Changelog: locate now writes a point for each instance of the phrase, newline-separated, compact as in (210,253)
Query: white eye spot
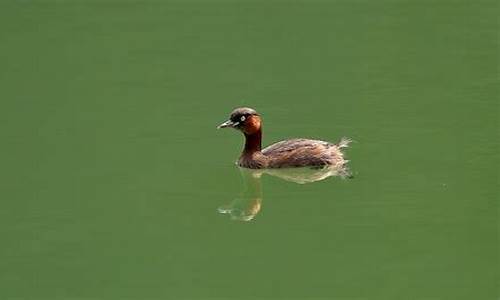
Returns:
(242,118)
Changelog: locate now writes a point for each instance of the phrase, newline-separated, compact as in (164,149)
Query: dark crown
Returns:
(242,111)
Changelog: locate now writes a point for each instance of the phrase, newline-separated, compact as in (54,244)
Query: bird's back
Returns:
(303,152)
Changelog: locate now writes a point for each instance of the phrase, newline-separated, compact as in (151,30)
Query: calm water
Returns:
(113,176)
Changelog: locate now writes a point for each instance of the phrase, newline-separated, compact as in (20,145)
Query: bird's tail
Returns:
(344,142)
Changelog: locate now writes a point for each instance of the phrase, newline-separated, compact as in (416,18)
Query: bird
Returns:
(291,153)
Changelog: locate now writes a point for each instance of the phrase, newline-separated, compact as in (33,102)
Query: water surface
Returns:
(112,171)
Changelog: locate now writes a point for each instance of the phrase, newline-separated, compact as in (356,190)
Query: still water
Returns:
(115,184)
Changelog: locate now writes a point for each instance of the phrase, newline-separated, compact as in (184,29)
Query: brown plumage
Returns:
(284,154)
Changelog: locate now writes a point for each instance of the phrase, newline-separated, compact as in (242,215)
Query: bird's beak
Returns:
(228,123)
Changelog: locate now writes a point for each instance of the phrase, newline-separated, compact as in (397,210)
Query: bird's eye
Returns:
(242,118)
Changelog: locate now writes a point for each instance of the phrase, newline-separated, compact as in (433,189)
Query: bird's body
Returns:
(284,154)
(295,153)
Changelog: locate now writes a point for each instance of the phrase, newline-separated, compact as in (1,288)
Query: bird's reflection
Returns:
(246,207)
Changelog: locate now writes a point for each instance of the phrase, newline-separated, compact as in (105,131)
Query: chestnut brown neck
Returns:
(253,142)
(253,135)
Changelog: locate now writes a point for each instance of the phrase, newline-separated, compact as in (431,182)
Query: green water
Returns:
(112,171)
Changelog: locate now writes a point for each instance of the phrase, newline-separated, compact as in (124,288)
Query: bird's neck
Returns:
(253,142)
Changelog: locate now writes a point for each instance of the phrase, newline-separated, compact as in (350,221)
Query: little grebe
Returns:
(284,154)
